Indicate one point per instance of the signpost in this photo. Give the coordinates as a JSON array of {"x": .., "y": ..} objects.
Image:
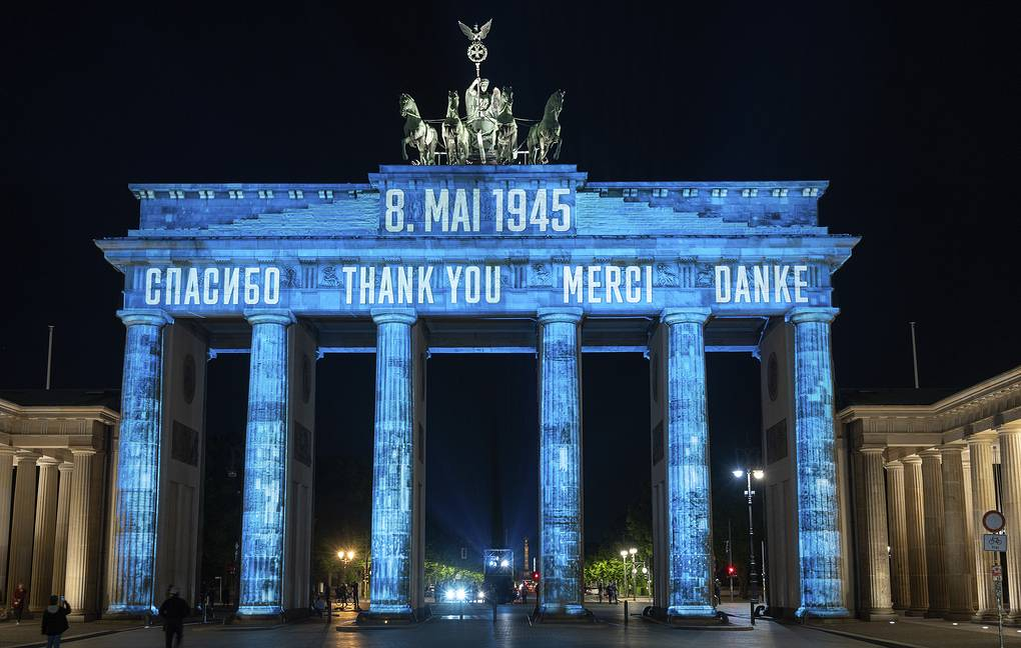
[{"x": 996, "y": 541}]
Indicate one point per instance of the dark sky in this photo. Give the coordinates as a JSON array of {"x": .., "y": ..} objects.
[{"x": 896, "y": 105}]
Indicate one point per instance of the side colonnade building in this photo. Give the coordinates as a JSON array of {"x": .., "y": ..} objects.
[{"x": 925, "y": 469}]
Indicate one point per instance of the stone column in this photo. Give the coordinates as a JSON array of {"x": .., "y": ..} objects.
[
  {"x": 932, "y": 488},
  {"x": 969, "y": 537},
  {"x": 687, "y": 454},
  {"x": 914, "y": 513},
  {"x": 79, "y": 540},
  {"x": 955, "y": 535},
  {"x": 19, "y": 567},
  {"x": 134, "y": 543},
  {"x": 393, "y": 459},
  {"x": 1010, "y": 483},
  {"x": 45, "y": 534},
  {"x": 819, "y": 547},
  {"x": 6, "y": 485},
  {"x": 63, "y": 515},
  {"x": 560, "y": 514},
  {"x": 980, "y": 449},
  {"x": 900, "y": 580},
  {"x": 874, "y": 555},
  {"x": 262, "y": 525}
]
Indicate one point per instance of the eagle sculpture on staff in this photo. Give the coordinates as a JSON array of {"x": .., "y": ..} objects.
[{"x": 488, "y": 132}]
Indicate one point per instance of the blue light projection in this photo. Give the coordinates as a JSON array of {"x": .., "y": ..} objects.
[
  {"x": 138, "y": 464},
  {"x": 262, "y": 530},
  {"x": 560, "y": 535},
  {"x": 818, "y": 510},
  {"x": 690, "y": 560},
  {"x": 392, "y": 479}
]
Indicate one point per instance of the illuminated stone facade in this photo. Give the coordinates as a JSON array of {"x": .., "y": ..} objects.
[{"x": 426, "y": 260}]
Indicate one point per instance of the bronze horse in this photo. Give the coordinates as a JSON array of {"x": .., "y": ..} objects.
[
  {"x": 544, "y": 135},
  {"x": 417, "y": 133},
  {"x": 506, "y": 130},
  {"x": 455, "y": 133}
]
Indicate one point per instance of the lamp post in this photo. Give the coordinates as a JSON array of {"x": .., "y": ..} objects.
[
  {"x": 623, "y": 559},
  {"x": 753, "y": 576},
  {"x": 634, "y": 571}
]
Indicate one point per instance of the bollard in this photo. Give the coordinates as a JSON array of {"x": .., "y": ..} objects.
[{"x": 626, "y": 614}]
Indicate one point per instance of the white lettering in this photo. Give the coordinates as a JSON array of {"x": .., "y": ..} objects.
[
  {"x": 425, "y": 288},
  {"x": 572, "y": 284},
  {"x": 454, "y": 277},
  {"x": 153, "y": 278},
  {"x": 436, "y": 209},
  {"x": 799, "y": 283},
  {"x": 394, "y": 220},
  {"x": 271, "y": 289},
  {"x": 594, "y": 283},
  {"x": 472, "y": 284},
  {"x": 349, "y": 282},
  {"x": 210, "y": 278},
  {"x": 251, "y": 286},
  {"x": 722, "y": 284},
  {"x": 493, "y": 282}
]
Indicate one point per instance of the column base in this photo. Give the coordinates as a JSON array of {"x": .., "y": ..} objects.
[
  {"x": 959, "y": 615},
  {"x": 392, "y": 615},
  {"x": 687, "y": 616},
  {"x": 915, "y": 612},
  {"x": 986, "y": 616},
  {"x": 935, "y": 614},
  {"x": 260, "y": 614},
  {"x": 809, "y": 613},
  {"x": 882, "y": 614},
  {"x": 554, "y": 612},
  {"x": 129, "y": 612}
]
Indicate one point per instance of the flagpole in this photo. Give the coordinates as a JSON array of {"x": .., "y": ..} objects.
[{"x": 49, "y": 359}]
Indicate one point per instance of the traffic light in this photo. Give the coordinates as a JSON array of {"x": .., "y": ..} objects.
[
  {"x": 731, "y": 570},
  {"x": 535, "y": 576}
]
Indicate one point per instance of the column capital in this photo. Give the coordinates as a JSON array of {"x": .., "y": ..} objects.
[
  {"x": 872, "y": 449},
  {"x": 282, "y": 317},
  {"x": 148, "y": 316},
  {"x": 563, "y": 314},
  {"x": 982, "y": 438},
  {"x": 44, "y": 462},
  {"x": 913, "y": 460},
  {"x": 896, "y": 464},
  {"x": 1008, "y": 430},
  {"x": 8, "y": 451},
  {"x": 931, "y": 453},
  {"x": 802, "y": 314},
  {"x": 951, "y": 449},
  {"x": 394, "y": 316},
  {"x": 671, "y": 316},
  {"x": 65, "y": 466},
  {"x": 24, "y": 456},
  {"x": 82, "y": 450}
]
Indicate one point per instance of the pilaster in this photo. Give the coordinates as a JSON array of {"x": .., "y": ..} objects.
[
  {"x": 80, "y": 542},
  {"x": 19, "y": 567},
  {"x": 66, "y": 470},
  {"x": 876, "y": 563},
  {"x": 955, "y": 535}
]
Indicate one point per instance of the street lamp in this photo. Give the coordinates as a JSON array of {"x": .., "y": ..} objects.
[
  {"x": 753, "y": 576},
  {"x": 634, "y": 571}
]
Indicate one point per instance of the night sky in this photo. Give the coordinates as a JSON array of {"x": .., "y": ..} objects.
[{"x": 896, "y": 106}]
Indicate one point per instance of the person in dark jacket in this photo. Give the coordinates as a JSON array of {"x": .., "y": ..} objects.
[
  {"x": 174, "y": 611},
  {"x": 55, "y": 621},
  {"x": 18, "y": 601}
]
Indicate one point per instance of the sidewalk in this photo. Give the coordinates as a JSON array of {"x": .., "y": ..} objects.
[
  {"x": 28, "y": 633},
  {"x": 905, "y": 632}
]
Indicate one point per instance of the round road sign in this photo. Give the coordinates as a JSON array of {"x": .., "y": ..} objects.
[{"x": 993, "y": 521}]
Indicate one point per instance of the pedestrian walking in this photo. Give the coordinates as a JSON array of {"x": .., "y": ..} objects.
[
  {"x": 342, "y": 595},
  {"x": 18, "y": 601},
  {"x": 174, "y": 611},
  {"x": 354, "y": 596},
  {"x": 55, "y": 620}
]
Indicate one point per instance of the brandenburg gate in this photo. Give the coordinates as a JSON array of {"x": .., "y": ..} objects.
[{"x": 427, "y": 259}]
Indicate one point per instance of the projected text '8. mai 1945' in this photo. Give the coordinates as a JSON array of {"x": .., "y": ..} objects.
[{"x": 476, "y": 211}]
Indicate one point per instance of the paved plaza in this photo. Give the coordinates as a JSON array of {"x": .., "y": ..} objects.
[{"x": 477, "y": 630}]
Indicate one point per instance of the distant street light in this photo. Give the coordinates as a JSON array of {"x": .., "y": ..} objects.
[{"x": 753, "y": 576}]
